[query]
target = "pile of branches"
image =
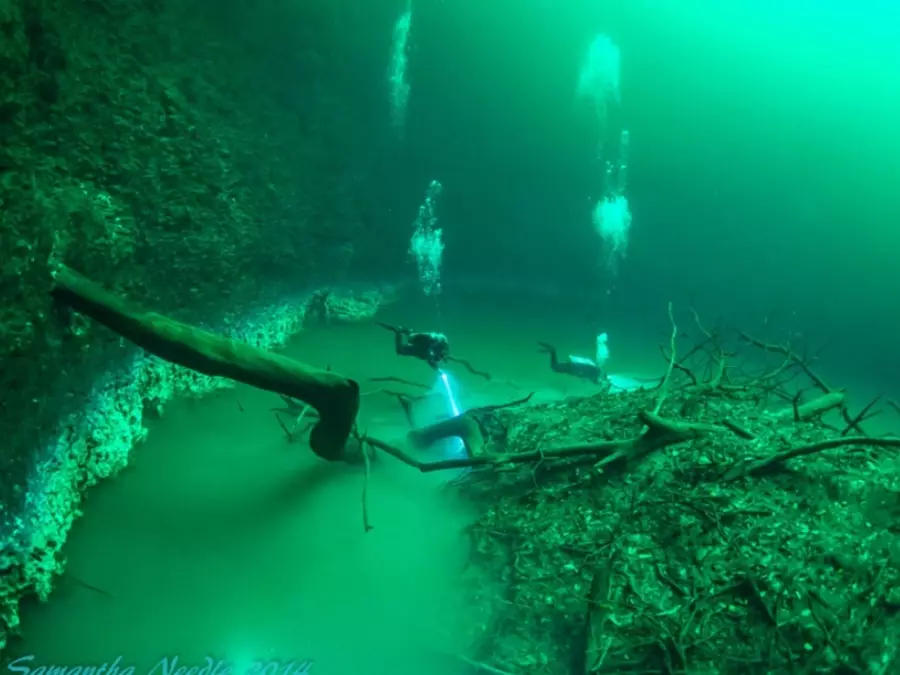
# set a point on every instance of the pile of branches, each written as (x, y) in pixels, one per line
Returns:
(727, 521)
(738, 518)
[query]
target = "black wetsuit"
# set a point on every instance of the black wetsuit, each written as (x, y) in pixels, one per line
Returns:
(429, 347)
(586, 370)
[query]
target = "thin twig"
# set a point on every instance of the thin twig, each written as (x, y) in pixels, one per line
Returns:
(365, 491)
(500, 406)
(399, 380)
(738, 430)
(468, 366)
(700, 326)
(864, 414)
(299, 419)
(787, 353)
(795, 404)
(664, 386)
(287, 432)
(772, 462)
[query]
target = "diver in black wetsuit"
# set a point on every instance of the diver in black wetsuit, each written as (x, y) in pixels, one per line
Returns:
(576, 366)
(432, 348)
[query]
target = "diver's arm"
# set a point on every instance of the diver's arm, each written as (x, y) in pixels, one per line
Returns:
(400, 345)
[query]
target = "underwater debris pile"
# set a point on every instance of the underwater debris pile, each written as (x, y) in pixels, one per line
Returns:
(721, 536)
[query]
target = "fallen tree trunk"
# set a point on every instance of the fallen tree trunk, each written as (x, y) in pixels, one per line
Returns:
(659, 433)
(335, 398)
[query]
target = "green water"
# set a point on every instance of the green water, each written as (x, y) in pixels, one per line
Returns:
(222, 538)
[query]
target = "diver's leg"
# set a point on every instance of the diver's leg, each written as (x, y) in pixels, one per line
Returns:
(554, 361)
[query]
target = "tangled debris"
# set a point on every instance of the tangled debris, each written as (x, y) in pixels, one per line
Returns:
(697, 527)
(720, 536)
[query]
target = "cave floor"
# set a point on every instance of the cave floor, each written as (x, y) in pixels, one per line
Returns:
(223, 539)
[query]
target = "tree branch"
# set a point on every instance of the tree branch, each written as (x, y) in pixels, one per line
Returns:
(773, 462)
(793, 357)
(659, 433)
(664, 385)
(336, 398)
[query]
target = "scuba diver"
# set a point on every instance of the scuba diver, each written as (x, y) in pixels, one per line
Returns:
(579, 366)
(432, 348)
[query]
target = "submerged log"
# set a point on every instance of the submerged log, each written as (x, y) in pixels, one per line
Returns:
(335, 398)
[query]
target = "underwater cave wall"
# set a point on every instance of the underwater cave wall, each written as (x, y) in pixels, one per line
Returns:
(185, 158)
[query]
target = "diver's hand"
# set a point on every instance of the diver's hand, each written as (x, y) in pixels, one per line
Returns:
(399, 330)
